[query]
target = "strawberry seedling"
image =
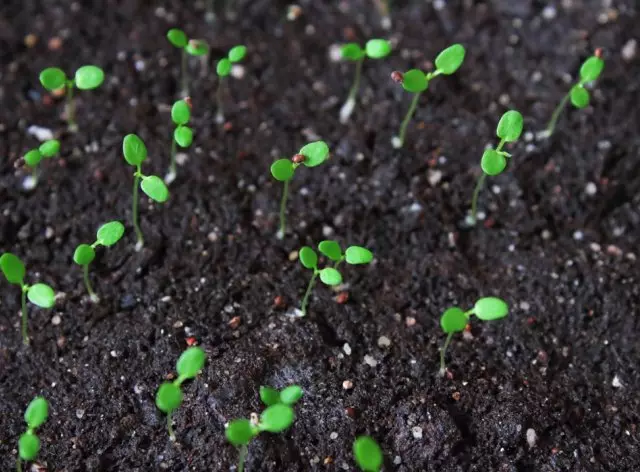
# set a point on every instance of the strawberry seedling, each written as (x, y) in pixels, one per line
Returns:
(223, 69)
(33, 158)
(368, 454)
(29, 442)
(189, 47)
(182, 134)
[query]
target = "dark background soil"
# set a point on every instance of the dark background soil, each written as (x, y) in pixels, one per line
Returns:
(563, 256)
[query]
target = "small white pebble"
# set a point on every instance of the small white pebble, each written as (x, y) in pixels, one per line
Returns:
(397, 460)
(616, 383)
(347, 384)
(591, 189)
(327, 231)
(335, 54)
(56, 320)
(238, 71)
(416, 431)
(629, 50)
(370, 361)
(532, 437)
(347, 349)
(41, 134)
(113, 354)
(595, 247)
(434, 177)
(524, 306)
(578, 235)
(396, 143)
(549, 12)
(546, 234)
(79, 413)
(139, 65)
(333, 435)
(384, 341)
(604, 145)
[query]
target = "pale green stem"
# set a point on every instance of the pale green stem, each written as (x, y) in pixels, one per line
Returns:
(172, 166)
(219, 101)
(283, 209)
(172, 435)
(71, 108)
(18, 465)
(356, 82)
(242, 457)
(556, 114)
(407, 118)
(185, 85)
(305, 300)
(87, 282)
(25, 335)
(136, 223)
(442, 353)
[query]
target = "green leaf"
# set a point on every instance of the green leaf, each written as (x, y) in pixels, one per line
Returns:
(49, 148)
(415, 81)
(180, 112)
(291, 394)
(223, 68)
(37, 412)
(237, 53)
(591, 69)
(490, 308)
(378, 48)
(110, 233)
(276, 418)
(41, 295)
(168, 397)
(89, 77)
(12, 268)
(351, 52)
(453, 320)
(84, 254)
(240, 432)
(134, 149)
(282, 170)
(315, 153)
(155, 188)
(269, 396)
(330, 276)
(177, 37)
(367, 453)
(308, 257)
(197, 47)
(450, 59)
(33, 158)
(53, 78)
(28, 446)
(183, 136)
(579, 96)
(331, 249)
(493, 162)
(191, 362)
(358, 255)
(510, 126)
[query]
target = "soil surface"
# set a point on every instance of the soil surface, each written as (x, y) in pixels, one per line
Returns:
(552, 387)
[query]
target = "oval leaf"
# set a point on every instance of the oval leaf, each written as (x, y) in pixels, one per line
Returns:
(191, 362)
(450, 59)
(453, 320)
(291, 395)
(197, 47)
(84, 254)
(33, 158)
(308, 257)
(351, 52)
(490, 308)
(183, 136)
(89, 77)
(415, 81)
(134, 149)
(41, 295)
(53, 78)
(315, 153)
(12, 268)
(330, 276)
(579, 97)
(155, 188)
(168, 397)
(28, 446)
(358, 255)
(37, 412)
(239, 432)
(331, 249)
(180, 112)
(110, 233)
(368, 454)
(493, 163)
(49, 148)
(510, 126)
(177, 37)
(237, 53)
(282, 170)
(269, 396)
(378, 48)
(276, 418)
(591, 69)
(223, 68)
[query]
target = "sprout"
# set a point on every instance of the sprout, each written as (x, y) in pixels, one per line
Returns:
(135, 152)
(223, 69)
(368, 454)
(416, 82)
(374, 49)
(454, 319)
(29, 443)
(354, 255)
(39, 294)
(191, 47)
(494, 161)
(311, 155)
(287, 396)
(33, 158)
(86, 78)
(108, 234)
(182, 134)
(169, 395)
(578, 94)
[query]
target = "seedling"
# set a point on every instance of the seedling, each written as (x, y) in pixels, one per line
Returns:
(494, 161)
(311, 155)
(368, 454)
(182, 134)
(374, 49)
(29, 442)
(354, 255)
(135, 152)
(169, 395)
(454, 319)
(86, 78)
(33, 158)
(39, 294)
(189, 47)
(578, 94)
(108, 234)
(223, 69)
(416, 82)
(277, 417)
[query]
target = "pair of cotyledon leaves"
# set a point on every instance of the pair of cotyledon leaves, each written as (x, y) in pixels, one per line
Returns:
(509, 130)
(454, 319)
(135, 152)
(367, 454)
(236, 54)
(35, 416)
(180, 115)
(47, 149)
(589, 71)
(14, 271)
(193, 47)
(447, 62)
(190, 363)
(354, 255)
(314, 154)
(86, 78)
(108, 234)
(374, 49)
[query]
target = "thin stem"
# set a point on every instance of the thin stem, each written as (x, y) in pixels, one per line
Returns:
(185, 86)
(136, 223)
(18, 465)
(34, 176)
(87, 283)
(242, 457)
(172, 166)
(407, 118)
(556, 114)
(283, 210)
(172, 435)
(71, 109)
(442, 353)
(25, 336)
(305, 300)
(476, 192)
(219, 104)
(347, 108)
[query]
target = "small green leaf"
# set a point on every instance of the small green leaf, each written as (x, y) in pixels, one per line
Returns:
(368, 454)
(155, 188)
(453, 320)
(269, 396)
(41, 295)
(490, 308)
(330, 276)
(12, 268)
(378, 48)
(493, 162)
(28, 446)
(276, 418)
(183, 136)
(237, 53)
(358, 255)
(331, 249)
(33, 158)
(84, 254)
(450, 59)
(134, 149)
(282, 170)
(579, 96)
(49, 148)
(177, 37)
(53, 78)
(291, 394)
(240, 432)
(110, 233)
(223, 68)
(180, 112)
(89, 77)
(351, 52)
(197, 47)
(415, 81)
(591, 69)
(191, 362)
(510, 126)
(315, 153)
(168, 397)
(308, 257)
(37, 412)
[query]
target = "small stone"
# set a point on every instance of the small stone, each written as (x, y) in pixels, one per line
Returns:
(616, 383)
(614, 250)
(384, 341)
(549, 12)
(370, 361)
(434, 177)
(127, 302)
(532, 437)
(347, 384)
(456, 396)
(546, 234)
(42, 134)
(48, 233)
(333, 435)
(293, 256)
(397, 460)
(30, 40)
(327, 231)
(629, 50)
(113, 354)
(54, 43)
(234, 322)
(79, 413)
(410, 321)
(578, 235)
(293, 12)
(591, 189)
(416, 432)
(212, 236)
(347, 349)
(56, 320)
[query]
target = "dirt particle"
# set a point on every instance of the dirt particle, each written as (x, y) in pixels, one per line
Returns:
(30, 40)
(293, 256)
(235, 322)
(279, 302)
(347, 349)
(416, 432)
(333, 435)
(384, 341)
(370, 361)
(616, 383)
(56, 320)
(347, 385)
(456, 396)
(532, 437)
(350, 411)
(54, 43)
(410, 321)
(342, 298)
(328, 460)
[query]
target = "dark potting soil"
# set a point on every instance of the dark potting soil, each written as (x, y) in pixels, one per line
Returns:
(552, 387)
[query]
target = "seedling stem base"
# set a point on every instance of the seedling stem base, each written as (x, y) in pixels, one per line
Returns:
(305, 300)
(403, 127)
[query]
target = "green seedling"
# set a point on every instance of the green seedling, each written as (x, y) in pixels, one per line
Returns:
(311, 155)
(494, 161)
(135, 152)
(276, 418)
(86, 78)
(578, 94)
(374, 49)
(223, 69)
(354, 255)
(189, 47)
(368, 454)
(108, 234)
(182, 134)
(33, 158)
(29, 442)
(169, 395)
(39, 294)
(455, 320)
(416, 82)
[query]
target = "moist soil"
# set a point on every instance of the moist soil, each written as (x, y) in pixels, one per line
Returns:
(557, 241)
